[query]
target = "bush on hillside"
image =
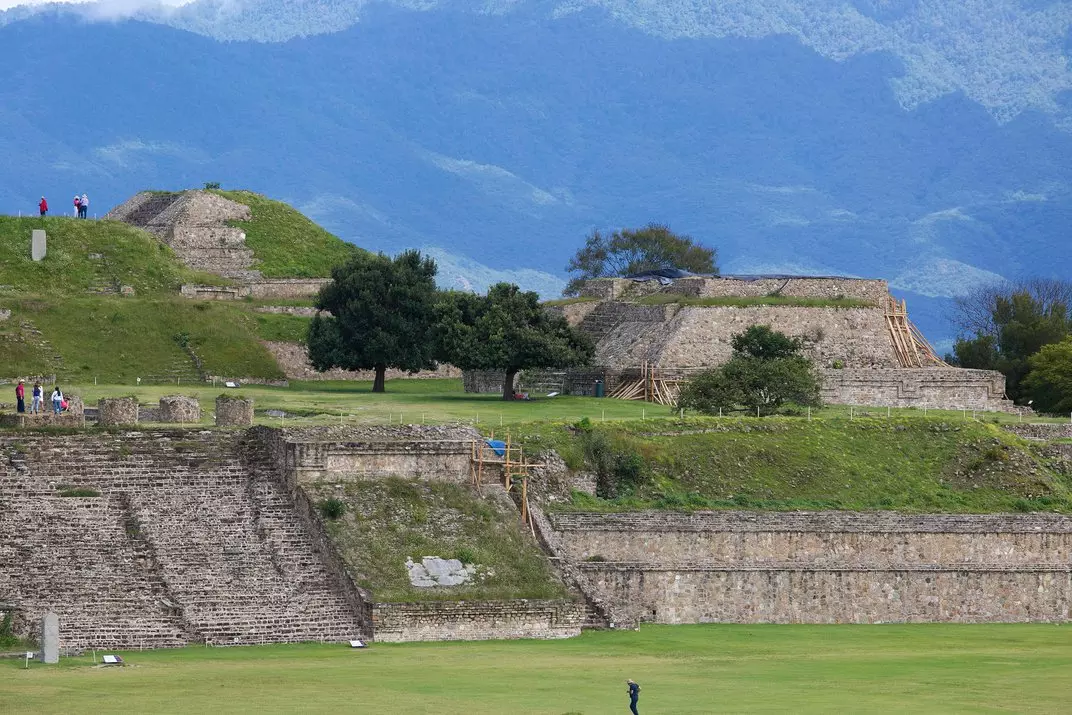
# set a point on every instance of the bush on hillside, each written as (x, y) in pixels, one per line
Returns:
(619, 470)
(332, 508)
(766, 373)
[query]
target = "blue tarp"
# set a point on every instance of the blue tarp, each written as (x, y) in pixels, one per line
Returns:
(497, 446)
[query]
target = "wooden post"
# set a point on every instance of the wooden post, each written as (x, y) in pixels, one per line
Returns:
(525, 500)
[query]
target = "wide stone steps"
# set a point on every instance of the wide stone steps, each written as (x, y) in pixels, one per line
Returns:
(187, 543)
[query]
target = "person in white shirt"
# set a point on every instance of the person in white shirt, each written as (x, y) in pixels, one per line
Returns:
(57, 400)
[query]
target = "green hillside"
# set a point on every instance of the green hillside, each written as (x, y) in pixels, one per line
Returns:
(67, 317)
(89, 256)
(286, 243)
(905, 464)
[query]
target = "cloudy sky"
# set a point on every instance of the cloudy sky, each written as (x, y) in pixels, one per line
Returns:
(114, 4)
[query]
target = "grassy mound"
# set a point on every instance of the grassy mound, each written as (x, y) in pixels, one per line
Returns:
(912, 465)
(89, 256)
(113, 339)
(388, 521)
(286, 243)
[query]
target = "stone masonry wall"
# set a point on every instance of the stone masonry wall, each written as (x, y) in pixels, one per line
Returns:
(476, 620)
(234, 412)
(822, 567)
(944, 388)
(868, 290)
(188, 542)
(176, 409)
(293, 359)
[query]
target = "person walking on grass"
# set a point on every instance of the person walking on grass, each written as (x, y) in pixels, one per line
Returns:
(20, 396)
(43, 206)
(38, 398)
(634, 695)
(57, 400)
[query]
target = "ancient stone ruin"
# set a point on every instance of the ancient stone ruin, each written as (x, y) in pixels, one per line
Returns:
(195, 225)
(178, 409)
(233, 411)
(115, 411)
(860, 338)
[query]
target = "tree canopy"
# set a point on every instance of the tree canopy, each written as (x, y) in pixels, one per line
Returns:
(631, 251)
(1049, 383)
(766, 372)
(507, 330)
(381, 315)
(1019, 326)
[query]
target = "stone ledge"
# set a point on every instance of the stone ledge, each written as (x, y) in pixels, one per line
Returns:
(597, 566)
(826, 521)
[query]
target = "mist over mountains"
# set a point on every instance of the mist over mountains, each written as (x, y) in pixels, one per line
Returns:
(925, 142)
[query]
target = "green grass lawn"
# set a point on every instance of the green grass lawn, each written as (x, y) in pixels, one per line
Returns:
(286, 243)
(681, 669)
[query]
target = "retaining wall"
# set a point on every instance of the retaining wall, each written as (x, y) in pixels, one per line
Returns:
(476, 620)
(822, 567)
(869, 290)
(935, 388)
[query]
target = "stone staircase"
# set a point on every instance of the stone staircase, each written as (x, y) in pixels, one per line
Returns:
(185, 544)
(195, 225)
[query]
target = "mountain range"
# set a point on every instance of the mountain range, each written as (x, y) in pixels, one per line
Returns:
(924, 141)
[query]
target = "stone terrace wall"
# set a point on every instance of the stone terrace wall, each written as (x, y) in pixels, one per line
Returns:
(936, 388)
(476, 620)
(293, 359)
(701, 336)
(822, 567)
(347, 453)
(188, 542)
(1042, 430)
(868, 290)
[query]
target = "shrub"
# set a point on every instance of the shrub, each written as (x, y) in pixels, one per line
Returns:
(619, 469)
(78, 492)
(465, 555)
(838, 364)
(332, 508)
(7, 631)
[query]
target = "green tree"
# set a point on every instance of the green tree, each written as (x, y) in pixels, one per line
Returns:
(382, 312)
(767, 371)
(507, 330)
(1021, 324)
(634, 250)
(1049, 383)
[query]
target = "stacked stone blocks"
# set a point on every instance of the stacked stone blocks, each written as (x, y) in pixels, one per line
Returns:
(116, 411)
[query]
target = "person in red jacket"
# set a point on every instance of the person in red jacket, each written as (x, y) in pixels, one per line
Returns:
(43, 206)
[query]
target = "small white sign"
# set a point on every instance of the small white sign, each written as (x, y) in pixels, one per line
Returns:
(358, 644)
(111, 659)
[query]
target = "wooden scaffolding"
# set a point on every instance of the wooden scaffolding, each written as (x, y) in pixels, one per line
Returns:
(651, 386)
(909, 345)
(514, 469)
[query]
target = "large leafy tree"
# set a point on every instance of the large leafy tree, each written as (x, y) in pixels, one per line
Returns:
(634, 250)
(766, 372)
(1020, 324)
(382, 312)
(1049, 383)
(507, 330)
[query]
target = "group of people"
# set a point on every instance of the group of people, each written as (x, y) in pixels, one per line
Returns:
(59, 402)
(81, 206)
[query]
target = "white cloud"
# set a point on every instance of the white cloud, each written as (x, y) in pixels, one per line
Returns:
(103, 8)
(129, 151)
(495, 181)
(943, 277)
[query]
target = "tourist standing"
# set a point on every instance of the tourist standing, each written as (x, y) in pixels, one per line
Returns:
(85, 206)
(20, 396)
(43, 206)
(77, 206)
(57, 400)
(38, 398)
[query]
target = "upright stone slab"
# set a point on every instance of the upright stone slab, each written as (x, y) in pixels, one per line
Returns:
(50, 638)
(234, 411)
(38, 244)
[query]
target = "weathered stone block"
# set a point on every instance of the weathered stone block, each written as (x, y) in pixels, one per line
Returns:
(179, 409)
(112, 411)
(38, 245)
(234, 411)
